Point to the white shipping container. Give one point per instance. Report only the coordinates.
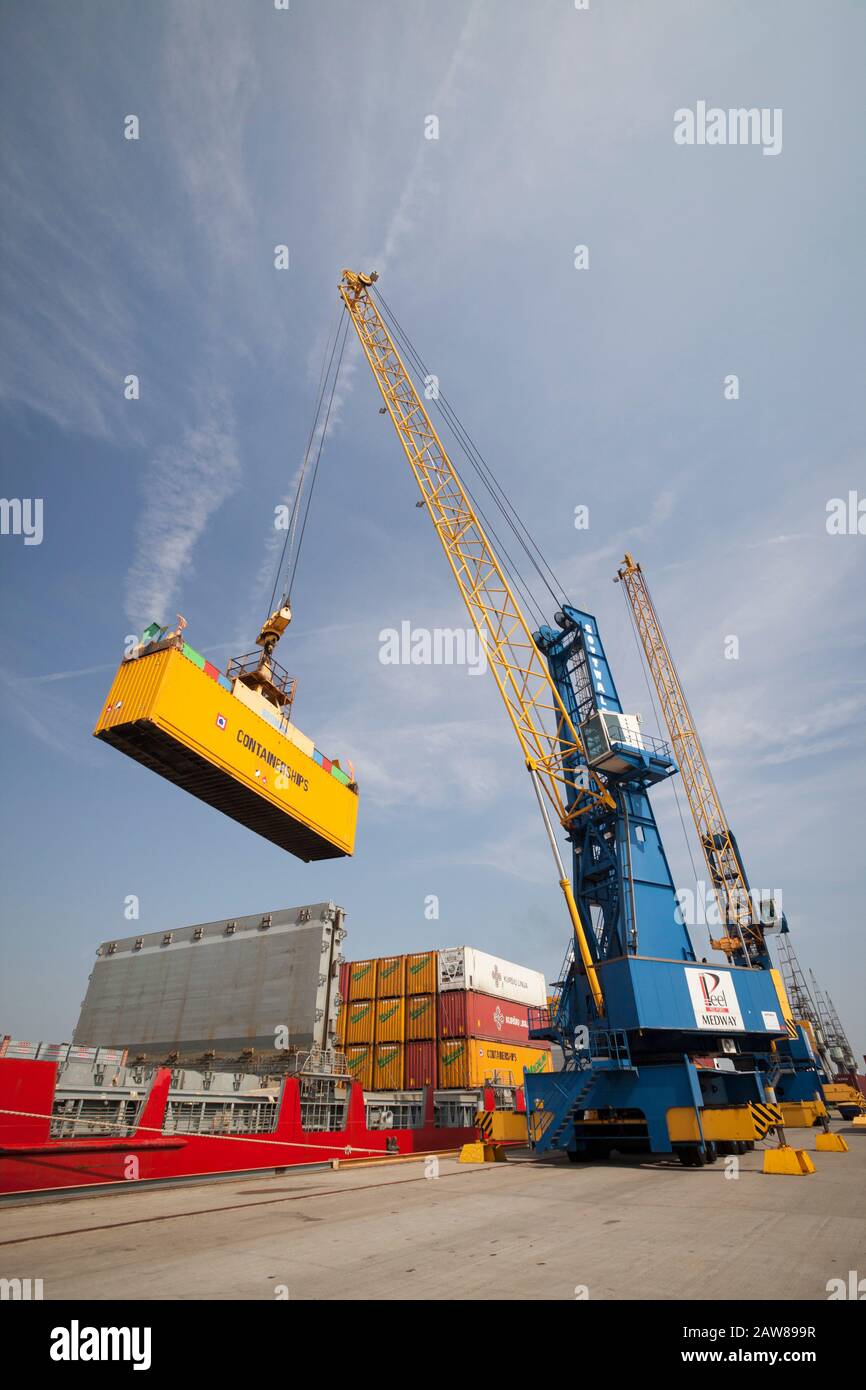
(463, 967)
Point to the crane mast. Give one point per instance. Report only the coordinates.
(548, 739)
(744, 941)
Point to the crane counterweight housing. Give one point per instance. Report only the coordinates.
(218, 737)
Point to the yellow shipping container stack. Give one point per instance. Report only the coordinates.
(362, 979)
(388, 1067)
(359, 1060)
(468, 1062)
(390, 1015)
(421, 972)
(390, 976)
(361, 1021)
(420, 1017)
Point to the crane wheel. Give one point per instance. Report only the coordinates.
(691, 1155)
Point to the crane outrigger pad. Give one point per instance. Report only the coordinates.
(173, 712)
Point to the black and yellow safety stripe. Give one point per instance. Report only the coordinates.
(484, 1123)
(765, 1117)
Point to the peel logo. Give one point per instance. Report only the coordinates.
(77, 1343)
(360, 1013)
(452, 1056)
(714, 1000)
(714, 997)
(389, 1013)
(419, 965)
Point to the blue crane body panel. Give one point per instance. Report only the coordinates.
(645, 1072)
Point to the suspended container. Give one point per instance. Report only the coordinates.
(171, 710)
(421, 1016)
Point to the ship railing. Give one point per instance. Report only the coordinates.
(88, 1117)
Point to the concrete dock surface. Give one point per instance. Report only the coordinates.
(524, 1229)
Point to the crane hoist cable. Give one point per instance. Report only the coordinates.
(288, 562)
(485, 473)
(508, 564)
(550, 743)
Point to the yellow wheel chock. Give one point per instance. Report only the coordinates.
(784, 1159)
(481, 1153)
(830, 1143)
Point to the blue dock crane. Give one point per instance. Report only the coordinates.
(635, 1011)
(676, 1059)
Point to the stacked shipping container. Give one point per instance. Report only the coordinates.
(455, 1019)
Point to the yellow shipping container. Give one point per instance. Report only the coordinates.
(342, 1015)
(388, 1067)
(390, 976)
(421, 972)
(362, 979)
(390, 1015)
(169, 711)
(361, 1021)
(359, 1060)
(420, 1017)
(467, 1062)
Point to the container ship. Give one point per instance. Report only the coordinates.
(225, 1047)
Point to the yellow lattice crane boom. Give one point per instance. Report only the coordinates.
(551, 748)
(744, 940)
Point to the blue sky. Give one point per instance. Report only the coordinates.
(601, 387)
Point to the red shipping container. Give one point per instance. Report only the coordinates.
(467, 1014)
(421, 1063)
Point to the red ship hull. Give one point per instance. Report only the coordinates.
(31, 1161)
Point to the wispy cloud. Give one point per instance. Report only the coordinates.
(421, 186)
(184, 486)
(48, 719)
(418, 190)
(51, 676)
(211, 84)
